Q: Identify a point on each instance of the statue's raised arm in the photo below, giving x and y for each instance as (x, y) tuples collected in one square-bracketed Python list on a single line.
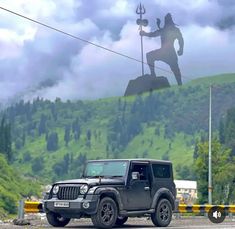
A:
[(150, 34), (181, 43)]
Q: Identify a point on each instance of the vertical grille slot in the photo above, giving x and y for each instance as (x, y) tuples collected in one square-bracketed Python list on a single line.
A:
[(68, 193)]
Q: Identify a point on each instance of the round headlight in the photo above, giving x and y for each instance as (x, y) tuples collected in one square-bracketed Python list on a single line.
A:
[(55, 189), (47, 188), (84, 189)]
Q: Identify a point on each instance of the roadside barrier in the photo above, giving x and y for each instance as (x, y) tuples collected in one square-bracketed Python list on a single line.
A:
[(36, 207), (33, 207), (183, 208), (27, 207)]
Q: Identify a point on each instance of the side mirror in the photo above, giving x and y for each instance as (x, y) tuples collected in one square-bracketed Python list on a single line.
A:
[(135, 175)]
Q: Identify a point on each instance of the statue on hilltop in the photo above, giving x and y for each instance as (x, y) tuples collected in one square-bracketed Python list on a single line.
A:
[(168, 34)]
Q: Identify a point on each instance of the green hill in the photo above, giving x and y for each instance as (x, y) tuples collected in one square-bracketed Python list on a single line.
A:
[(213, 80), (13, 188), (52, 140)]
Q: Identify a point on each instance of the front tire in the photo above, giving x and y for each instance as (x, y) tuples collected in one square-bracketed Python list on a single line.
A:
[(163, 213), (121, 220), (106, 215), (56, 220)]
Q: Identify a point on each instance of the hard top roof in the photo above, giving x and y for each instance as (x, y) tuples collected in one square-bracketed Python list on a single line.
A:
[(134, 159)]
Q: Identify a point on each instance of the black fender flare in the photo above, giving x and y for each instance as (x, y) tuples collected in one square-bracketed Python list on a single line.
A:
[(165, 193), (113, 192)]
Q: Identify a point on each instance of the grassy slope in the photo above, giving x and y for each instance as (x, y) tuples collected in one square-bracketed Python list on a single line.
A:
[(13, 188), (157, 146), (213, 80), (180, 151)]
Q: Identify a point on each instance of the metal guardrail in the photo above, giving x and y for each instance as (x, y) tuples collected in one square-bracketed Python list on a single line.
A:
[(36, 207), (27, 207), (33, 207), (196, 208)]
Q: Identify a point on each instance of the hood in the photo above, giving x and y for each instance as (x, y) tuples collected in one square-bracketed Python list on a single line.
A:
[(94, 181)]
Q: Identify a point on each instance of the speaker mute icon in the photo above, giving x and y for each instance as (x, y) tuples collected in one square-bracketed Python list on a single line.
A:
[(216, 214)]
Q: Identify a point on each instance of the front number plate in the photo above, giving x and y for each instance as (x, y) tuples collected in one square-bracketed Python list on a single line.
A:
[(61, 204)]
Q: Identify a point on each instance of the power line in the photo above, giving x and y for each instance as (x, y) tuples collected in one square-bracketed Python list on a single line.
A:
[(81, 39)]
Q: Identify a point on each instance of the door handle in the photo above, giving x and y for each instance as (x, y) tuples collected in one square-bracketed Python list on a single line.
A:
[(146, 188)]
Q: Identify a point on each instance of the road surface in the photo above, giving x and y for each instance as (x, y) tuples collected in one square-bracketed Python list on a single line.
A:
[(133, 223)]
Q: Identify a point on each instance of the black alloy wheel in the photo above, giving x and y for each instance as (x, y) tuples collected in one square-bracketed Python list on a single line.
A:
[(106, 215), (163, 214), (56, 220)]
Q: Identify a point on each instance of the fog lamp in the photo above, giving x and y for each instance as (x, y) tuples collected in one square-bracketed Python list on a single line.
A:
[(86, 205)]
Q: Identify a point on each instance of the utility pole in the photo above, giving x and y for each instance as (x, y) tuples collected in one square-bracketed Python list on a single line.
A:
[(209, 161)]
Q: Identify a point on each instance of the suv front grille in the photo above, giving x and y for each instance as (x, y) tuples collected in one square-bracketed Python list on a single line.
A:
[(68, 193)]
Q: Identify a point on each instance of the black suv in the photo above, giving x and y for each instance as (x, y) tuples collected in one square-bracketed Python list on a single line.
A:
[(110, 191)]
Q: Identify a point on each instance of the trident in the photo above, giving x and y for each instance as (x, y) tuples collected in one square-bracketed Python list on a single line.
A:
[(140, 10)]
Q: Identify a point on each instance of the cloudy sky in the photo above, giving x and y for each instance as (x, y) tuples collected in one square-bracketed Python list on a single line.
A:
[(37, 61)]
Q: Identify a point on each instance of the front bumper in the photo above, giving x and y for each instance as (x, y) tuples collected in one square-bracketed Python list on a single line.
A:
[(76, 208)]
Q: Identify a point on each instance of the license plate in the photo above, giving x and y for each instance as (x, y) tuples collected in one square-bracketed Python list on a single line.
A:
[(61, 204)]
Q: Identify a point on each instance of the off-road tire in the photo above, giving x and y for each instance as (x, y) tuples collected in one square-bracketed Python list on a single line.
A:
[(106, 214), (121, 220), (163, 213), (56, 220)]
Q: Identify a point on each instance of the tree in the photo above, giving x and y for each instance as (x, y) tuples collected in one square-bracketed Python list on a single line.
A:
[(76, 129), (52, 142), (222, 131), (5, 139), (27, 156), (67, 135), (165, 156), (38, 165), (229, 130), (53, 111), (42, 125), (223, 173), (77, 165), (185, 172), (8, 150), (88, 140), (88, 135), (2, 133), (18, 143), (61, 168)]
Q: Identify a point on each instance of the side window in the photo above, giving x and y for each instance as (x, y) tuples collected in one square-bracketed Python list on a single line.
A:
[(161, 171), (142, 169)]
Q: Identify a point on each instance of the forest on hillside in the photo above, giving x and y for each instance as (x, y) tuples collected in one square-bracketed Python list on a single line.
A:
[(53, 139), (70, 132)]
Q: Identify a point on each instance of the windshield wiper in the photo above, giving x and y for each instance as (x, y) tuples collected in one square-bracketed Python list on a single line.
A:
[(116, 176), (95, 176)]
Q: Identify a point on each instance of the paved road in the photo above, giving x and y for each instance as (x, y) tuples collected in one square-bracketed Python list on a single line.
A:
[(183, 223)]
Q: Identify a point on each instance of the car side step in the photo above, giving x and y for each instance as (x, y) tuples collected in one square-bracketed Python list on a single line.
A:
[(136, 213)]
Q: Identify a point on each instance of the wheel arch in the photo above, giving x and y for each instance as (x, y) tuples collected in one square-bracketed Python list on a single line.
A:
[(112, 193), (163, 193)]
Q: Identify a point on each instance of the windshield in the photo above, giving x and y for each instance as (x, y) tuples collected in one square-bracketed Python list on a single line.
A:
[(106, 169)]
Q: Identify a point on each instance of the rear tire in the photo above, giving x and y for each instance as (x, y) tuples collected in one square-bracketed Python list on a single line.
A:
[(163, 213), (106, 214), (56, 220), (121, 220)]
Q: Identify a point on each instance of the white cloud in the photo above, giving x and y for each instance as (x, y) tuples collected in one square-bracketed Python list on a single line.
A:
[(11, 42), (95, 72), (80, 70), (120, 8), (207, 51)]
